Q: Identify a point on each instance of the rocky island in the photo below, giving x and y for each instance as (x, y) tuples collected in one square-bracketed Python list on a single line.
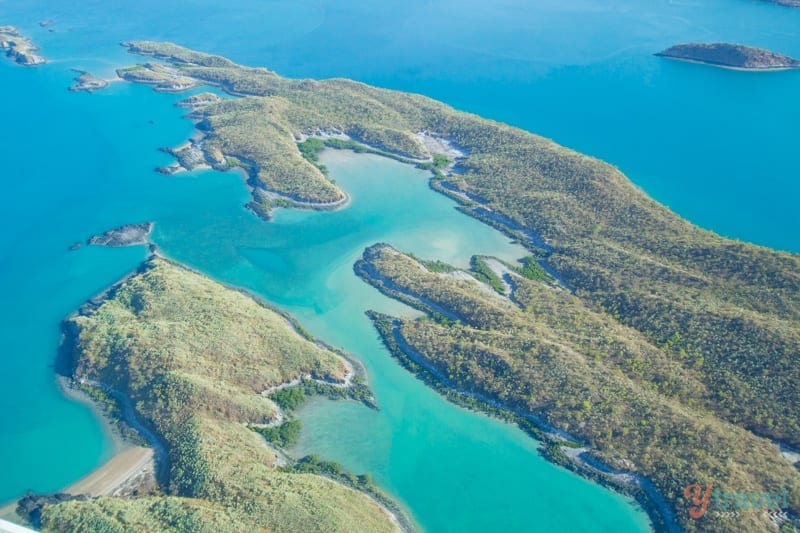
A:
[(19, 48), (86, 82), (208, 376), (127, 235), (734, 56)]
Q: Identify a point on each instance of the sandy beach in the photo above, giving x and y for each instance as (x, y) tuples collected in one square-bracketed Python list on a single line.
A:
[(124, 472), (120, 471)]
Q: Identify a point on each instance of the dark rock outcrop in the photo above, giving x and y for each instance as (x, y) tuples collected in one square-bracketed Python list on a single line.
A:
[(127, 235)]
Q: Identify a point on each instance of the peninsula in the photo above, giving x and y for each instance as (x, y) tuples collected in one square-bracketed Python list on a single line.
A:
[(668, 353), (733, 56), (200, 371), (19, 48)]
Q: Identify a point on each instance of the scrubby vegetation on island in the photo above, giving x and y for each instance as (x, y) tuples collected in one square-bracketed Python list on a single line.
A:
[(193, 357), (730, 55), (284, 435), (673, 319), (549, 355)]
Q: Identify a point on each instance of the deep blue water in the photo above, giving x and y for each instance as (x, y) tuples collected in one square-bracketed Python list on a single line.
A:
[(718, 147)]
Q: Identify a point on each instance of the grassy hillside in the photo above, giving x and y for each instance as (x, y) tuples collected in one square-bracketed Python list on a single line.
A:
[(702, 323), (544, 352), (193, 357)]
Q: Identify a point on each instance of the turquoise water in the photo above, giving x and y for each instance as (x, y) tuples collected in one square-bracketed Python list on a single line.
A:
[(456, 471), (718, 147)]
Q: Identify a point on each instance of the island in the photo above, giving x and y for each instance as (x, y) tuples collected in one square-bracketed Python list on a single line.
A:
[(645, 352), (86, 82), (127, 235), (19, 48), (734, 56), (785, 3), (208, 376)]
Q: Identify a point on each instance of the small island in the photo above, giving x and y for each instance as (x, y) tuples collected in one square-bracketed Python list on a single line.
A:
[(19, 48), (127, 235), (86, 82), (733, 56)]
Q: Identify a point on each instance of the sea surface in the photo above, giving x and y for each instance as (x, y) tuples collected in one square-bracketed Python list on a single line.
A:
[(719, 147)]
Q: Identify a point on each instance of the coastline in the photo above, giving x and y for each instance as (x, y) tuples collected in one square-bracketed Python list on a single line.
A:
[(557, 446), (133, 467), (727, 67), (128, 465), (264, 199)]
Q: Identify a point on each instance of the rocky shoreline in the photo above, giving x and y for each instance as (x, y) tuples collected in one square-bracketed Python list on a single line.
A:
[(127, 235), (557, 446), (194, 154), (19, 48), (86, 82), (733, 56)]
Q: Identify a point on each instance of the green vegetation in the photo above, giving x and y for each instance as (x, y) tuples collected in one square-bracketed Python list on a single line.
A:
[(437, 166), (581, 371), (434, 265), (283, 436), (193, 358), (685, 344), (310, 150), (347, 144), (532, 270), (311, 464), (483, 273), (293, 397), (290, 398)]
